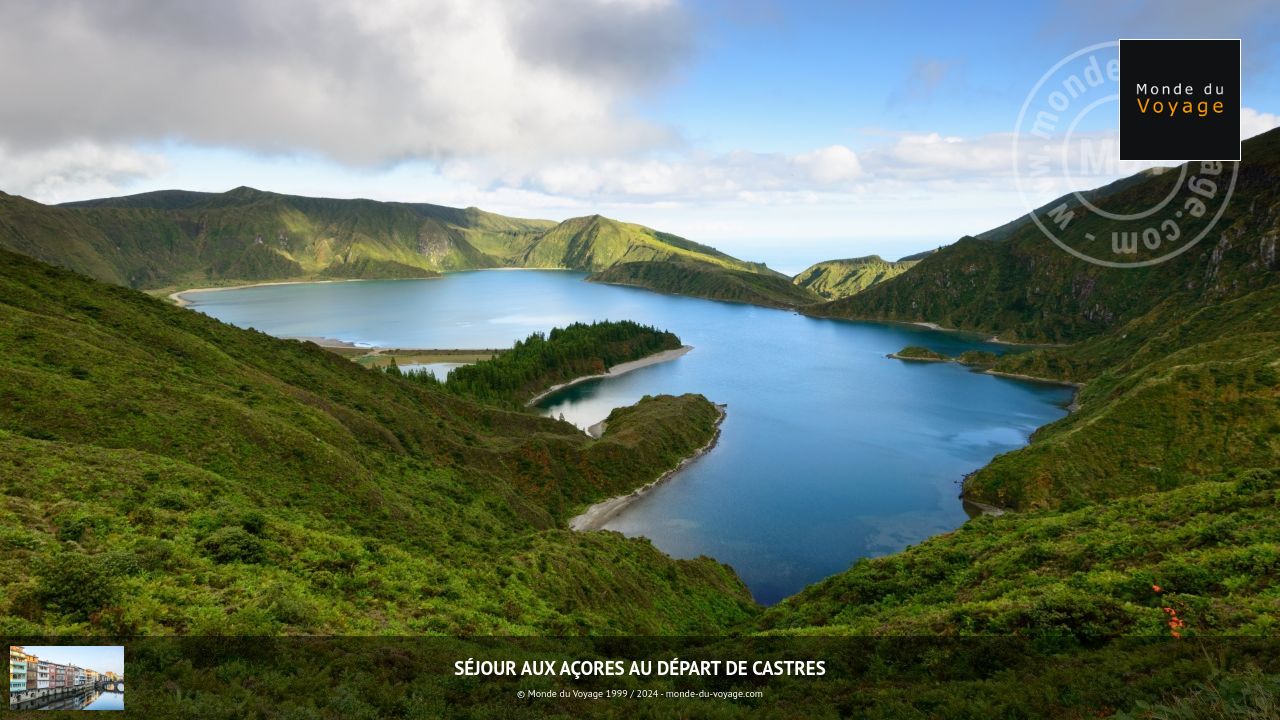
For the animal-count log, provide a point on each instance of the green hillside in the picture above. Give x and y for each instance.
(706, 280)
(1025, 288)
(177, 238)
(166, 473)
(1210, 547)
(832, 279)
(595, 243)
(1173, 397)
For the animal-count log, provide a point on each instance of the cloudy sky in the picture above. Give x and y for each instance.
(781, 131)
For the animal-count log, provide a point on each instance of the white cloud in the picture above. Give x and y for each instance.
(75, 170)
(829, 165)
(1253, 122)
(360, 82)
(692, 177)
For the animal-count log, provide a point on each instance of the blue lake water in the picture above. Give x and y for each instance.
(830, 451)
(107, 701)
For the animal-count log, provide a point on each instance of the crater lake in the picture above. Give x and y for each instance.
(829, 451)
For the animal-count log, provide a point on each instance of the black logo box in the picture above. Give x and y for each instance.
(1185, 67)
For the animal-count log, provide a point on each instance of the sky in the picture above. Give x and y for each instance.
(787, 132)
(103, 658)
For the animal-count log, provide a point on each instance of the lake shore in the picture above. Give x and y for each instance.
(989, 338)
(908, 358)
(595, 516)
(180, 301)
(619, 369)
(1073, 406)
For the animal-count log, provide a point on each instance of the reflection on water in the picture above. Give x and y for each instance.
(93, 700)
(440, 370)
(830, 451)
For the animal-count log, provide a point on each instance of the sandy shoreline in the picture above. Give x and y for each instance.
(180, 301)
(990, 338)
(177, 297)
(616, 370)
(907, 358)
(1073, 406)
(1033, 378)
(594, 517)
(983, 508)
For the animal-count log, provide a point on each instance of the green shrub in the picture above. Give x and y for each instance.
(75, 584)
(233, 544)
(153, 553)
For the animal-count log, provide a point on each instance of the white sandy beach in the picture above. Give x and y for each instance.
(619, 369)
(990, 338)
(177, 297)
(594, 517)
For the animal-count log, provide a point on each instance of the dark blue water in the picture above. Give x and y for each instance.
(830, 451)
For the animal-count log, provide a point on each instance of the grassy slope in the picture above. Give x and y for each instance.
(705, 280)
(832, 279)
(595, 243)
(1212, 547)
(1173, 397)
(164, 472)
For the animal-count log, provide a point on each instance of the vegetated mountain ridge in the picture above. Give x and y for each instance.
(1020, 285)
(832, 279)
(180, 238)
(757, 285)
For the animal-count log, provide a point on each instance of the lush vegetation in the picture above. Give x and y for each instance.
(1086, 574)
(1170, 399)
(186, 239)
(916, 352)
(596, 243)
(543, 360)
(833, 279)
(165, 473)
(714, 282)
